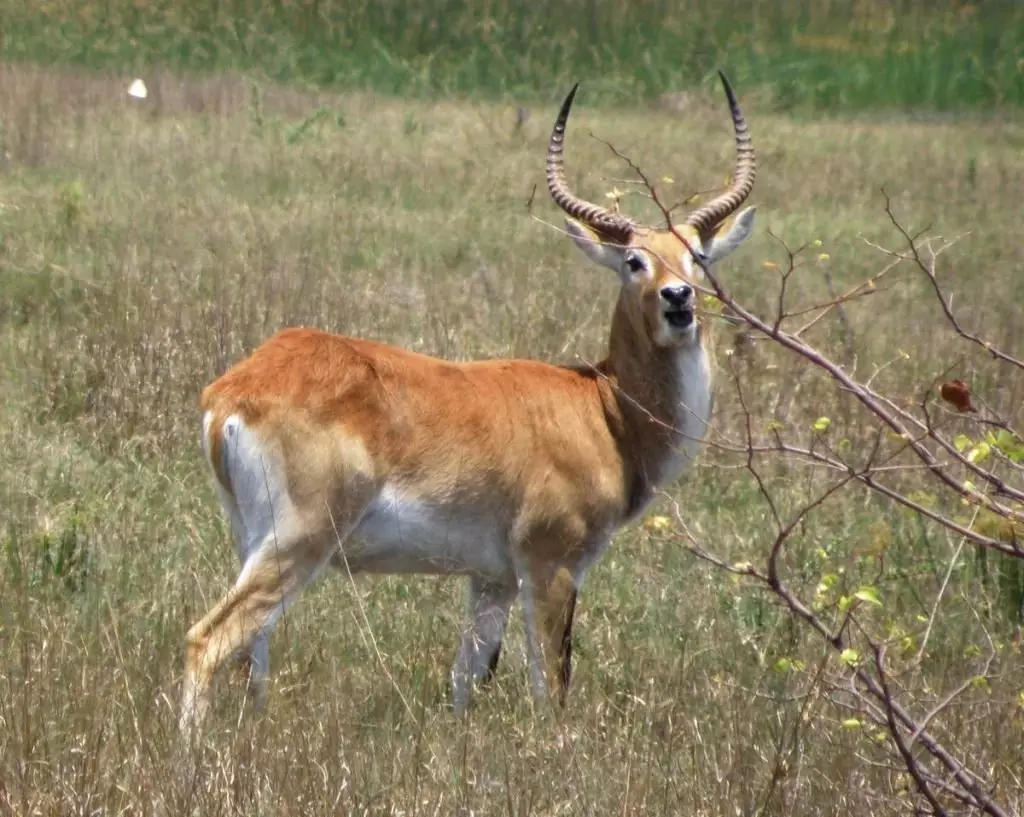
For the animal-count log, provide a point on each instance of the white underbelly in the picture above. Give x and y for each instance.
(399, 534)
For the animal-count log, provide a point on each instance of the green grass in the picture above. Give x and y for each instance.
(831, 54)
(142, 250)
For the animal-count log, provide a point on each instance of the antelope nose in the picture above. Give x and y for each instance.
(677, 296)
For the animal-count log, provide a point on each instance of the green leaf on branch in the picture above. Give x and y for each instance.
(869, 595)
(979, 452)
(1008, 444)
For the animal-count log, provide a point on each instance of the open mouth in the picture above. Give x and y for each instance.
(679, 318)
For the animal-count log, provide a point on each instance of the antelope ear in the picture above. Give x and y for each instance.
(729, 238)
(599, 250)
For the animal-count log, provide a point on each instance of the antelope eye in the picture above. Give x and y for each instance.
(635, 262)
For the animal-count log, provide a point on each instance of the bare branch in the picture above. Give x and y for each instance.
(928, 269)
(894, 730)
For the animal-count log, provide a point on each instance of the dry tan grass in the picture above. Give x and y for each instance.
(144, 248)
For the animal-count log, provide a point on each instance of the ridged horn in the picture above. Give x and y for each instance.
(614, 226)
(705, 218)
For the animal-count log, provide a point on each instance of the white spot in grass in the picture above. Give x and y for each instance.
(138, 89)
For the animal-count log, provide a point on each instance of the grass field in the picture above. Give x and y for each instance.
(799, 55)
(143, 249)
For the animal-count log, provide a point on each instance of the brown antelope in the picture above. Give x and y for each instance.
(331, 450)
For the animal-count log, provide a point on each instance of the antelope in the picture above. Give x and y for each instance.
(336, 451)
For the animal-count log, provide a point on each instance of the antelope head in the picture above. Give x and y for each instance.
(656, 268)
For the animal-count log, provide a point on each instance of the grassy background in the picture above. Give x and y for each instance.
(836, 54)
(143, 248)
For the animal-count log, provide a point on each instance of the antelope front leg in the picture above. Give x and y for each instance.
(549, 600)
(489, 605)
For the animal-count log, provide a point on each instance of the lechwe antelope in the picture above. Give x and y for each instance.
(514, 473)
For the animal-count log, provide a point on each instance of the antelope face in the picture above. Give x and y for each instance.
(659, 275)
(658, 271)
